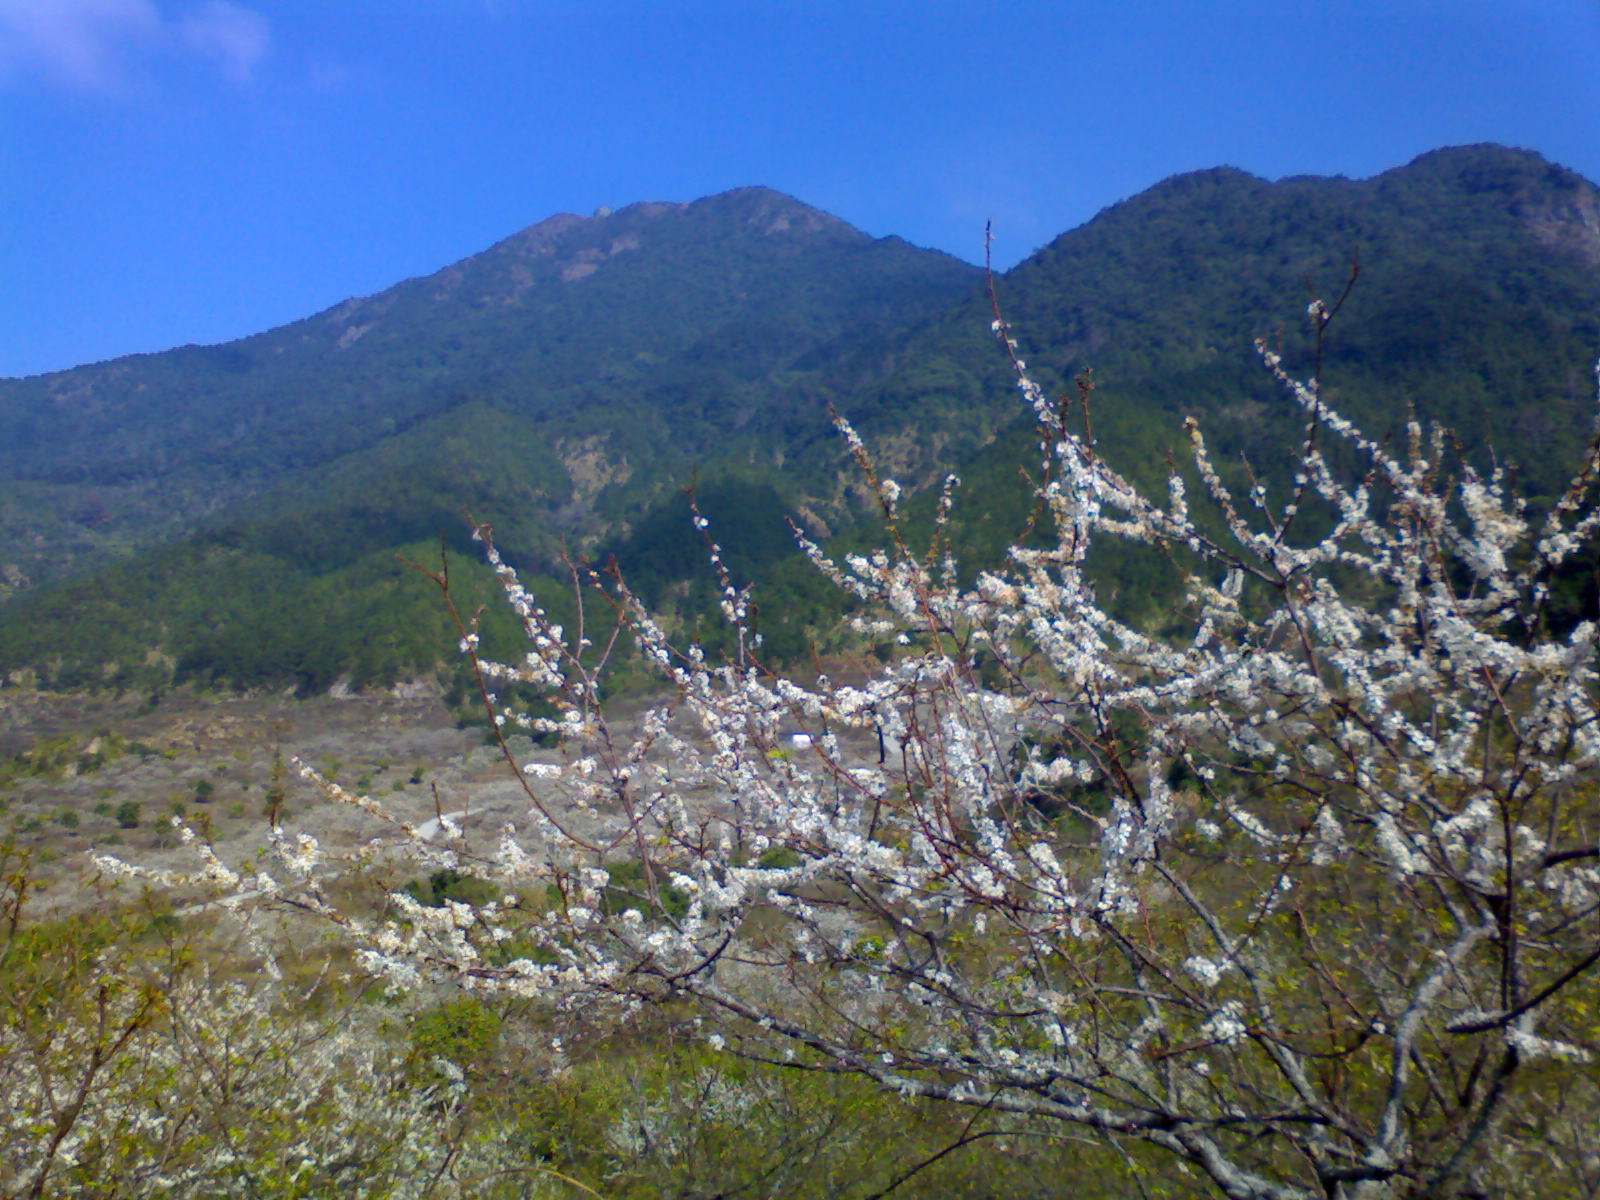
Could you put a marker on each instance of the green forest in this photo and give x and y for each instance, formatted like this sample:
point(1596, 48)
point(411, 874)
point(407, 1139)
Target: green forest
point(263, 545)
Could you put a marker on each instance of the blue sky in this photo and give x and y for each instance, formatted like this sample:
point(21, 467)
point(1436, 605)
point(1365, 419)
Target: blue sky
point(180, 171)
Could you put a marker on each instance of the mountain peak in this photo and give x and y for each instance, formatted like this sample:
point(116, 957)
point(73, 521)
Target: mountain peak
point(1559, 207)
point(545, 232)
point(671, 312)
point(774, 212)
point(1477, 156)
point(608, 229)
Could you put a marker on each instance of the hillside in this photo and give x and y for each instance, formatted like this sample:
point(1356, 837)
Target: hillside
point(567, 381)
point(618, 342)
point(1478, 305)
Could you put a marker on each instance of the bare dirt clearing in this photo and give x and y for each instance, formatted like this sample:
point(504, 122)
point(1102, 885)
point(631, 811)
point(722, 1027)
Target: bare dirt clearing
point(84, 772)
point(93, 772)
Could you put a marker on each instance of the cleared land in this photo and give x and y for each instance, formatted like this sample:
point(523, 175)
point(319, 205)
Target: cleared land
point(71, 764)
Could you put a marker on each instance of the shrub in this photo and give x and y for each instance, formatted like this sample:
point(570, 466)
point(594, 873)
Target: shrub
point(464, 1032)
point(451, 885)
point(143, 1054)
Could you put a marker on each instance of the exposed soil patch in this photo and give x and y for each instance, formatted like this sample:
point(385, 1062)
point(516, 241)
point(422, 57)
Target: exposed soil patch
point(93, 772)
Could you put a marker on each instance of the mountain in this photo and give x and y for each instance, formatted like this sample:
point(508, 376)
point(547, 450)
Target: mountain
point(1477, 305)
point(615, 344)
point(566, 382)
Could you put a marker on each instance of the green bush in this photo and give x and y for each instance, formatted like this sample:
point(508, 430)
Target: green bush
point(628, 889)
point(464, 1032)
point(450, 884)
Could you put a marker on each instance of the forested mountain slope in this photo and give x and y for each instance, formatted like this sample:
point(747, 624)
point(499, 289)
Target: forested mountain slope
point(566, 382)
point(1477, 305)
point(657, 332)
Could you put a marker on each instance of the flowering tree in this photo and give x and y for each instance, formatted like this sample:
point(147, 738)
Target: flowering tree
point(1307, 898)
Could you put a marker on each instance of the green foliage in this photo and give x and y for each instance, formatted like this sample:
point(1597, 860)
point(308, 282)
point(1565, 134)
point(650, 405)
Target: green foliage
point(778, 858)
point(67, 753)
point(643, 1116)
point(749, 523)
point(450, 884)
point(277, 788)
point(238, 618)
point(127, 814)
point(631, 888)
point(574, 410)
point(463, 1031)
point(145, 1055)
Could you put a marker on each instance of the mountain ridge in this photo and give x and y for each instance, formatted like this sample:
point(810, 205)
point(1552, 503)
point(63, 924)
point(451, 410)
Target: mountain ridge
point(712, 348)
point(539, 232)
point(671, 307)
point(564, 221)
point(1185, 275)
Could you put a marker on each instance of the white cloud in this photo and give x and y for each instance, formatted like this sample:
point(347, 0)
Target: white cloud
point(95, 45)
point(233, 37)
point(79, 43)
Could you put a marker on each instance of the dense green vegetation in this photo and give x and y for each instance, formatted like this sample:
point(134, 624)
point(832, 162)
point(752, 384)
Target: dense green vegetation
point(665, 332)
point(570, 406)
point(244, 617)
